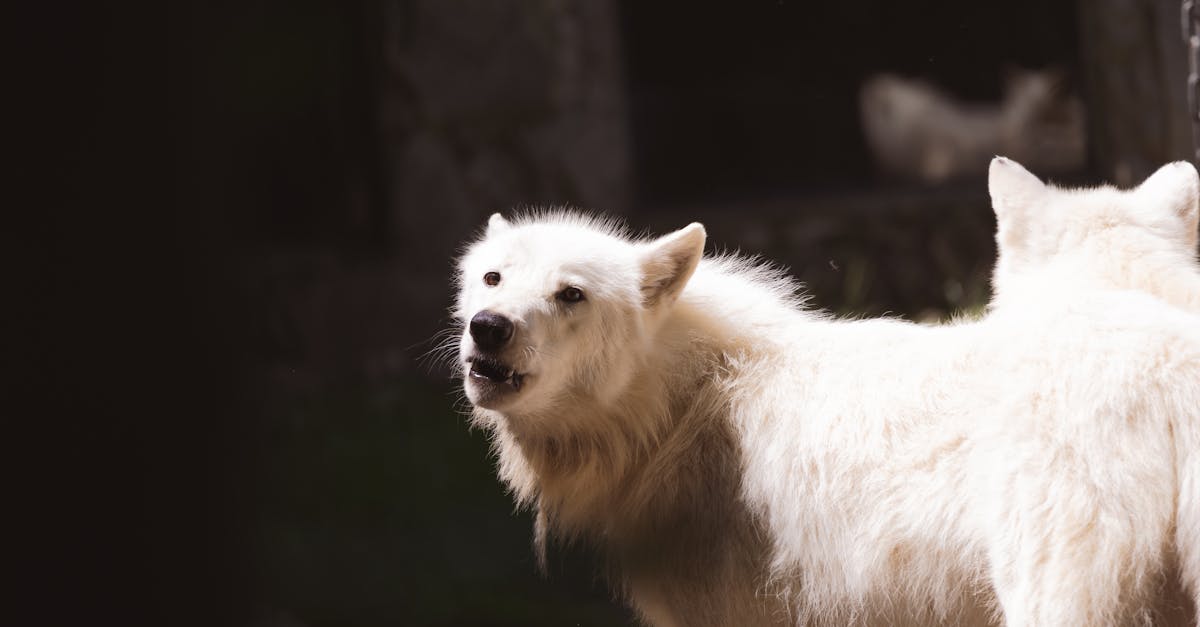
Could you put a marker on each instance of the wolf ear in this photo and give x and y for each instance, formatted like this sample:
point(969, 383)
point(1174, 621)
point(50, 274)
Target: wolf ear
point(1012, 188)
point(497, 224)
point(668, 262)
point(1176, 186)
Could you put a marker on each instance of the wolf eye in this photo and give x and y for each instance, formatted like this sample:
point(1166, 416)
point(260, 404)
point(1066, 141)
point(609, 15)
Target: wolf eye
point(491, 278)
point(570, 295)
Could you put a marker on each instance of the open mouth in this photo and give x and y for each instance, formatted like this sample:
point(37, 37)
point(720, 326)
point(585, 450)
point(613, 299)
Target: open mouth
point(494, 371)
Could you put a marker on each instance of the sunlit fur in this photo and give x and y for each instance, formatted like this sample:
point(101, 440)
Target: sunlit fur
point(1143, 238)
point(738, 460)
point(1060, 245)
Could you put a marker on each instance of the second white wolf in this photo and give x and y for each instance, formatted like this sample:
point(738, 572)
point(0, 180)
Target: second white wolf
point(1056, 244)
point(1050, 240)
point(741, 461)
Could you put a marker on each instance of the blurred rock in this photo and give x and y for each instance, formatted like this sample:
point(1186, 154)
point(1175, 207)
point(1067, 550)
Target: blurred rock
point(489, 105)
point(482, 106)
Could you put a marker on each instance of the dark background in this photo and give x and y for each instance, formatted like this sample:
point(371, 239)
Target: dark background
point(235, 229)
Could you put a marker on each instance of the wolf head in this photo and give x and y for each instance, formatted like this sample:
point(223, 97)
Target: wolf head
point(1105, 232)
point(558, 309)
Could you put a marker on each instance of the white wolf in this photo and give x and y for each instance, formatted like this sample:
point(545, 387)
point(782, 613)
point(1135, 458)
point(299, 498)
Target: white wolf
point(1055, 243)
point(740, 461)
point(1143, 239)
point(918, 131)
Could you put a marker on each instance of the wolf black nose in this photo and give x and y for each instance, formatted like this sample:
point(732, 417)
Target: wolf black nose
point(490, 330)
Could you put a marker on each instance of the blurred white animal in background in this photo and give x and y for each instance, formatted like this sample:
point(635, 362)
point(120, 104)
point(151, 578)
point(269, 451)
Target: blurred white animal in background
point(918, 131)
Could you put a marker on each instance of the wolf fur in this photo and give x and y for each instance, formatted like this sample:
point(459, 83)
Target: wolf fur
point(739, 460)
point(1052, 238)
point(1055, 244)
